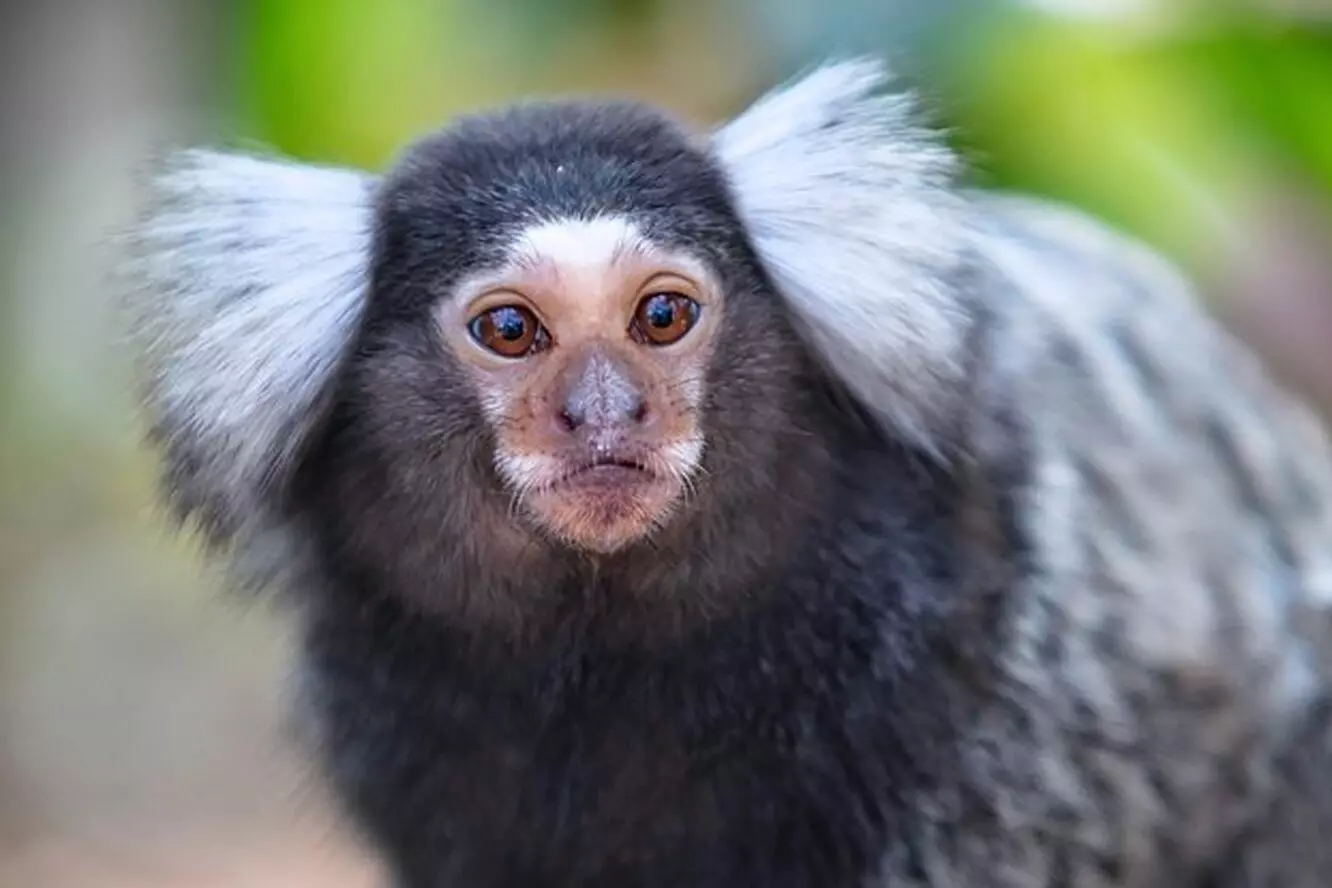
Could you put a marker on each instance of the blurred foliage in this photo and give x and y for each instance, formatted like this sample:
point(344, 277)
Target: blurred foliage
point(1167, 130)
point(351, 81)
point(341, 79)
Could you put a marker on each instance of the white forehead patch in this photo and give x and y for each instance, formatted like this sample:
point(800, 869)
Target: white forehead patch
point(579, 243)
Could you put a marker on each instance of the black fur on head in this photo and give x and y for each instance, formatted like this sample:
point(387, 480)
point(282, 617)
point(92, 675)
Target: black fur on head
point(402, 489)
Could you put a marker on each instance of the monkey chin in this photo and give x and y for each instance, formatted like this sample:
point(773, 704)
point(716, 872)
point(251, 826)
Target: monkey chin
point(605, 508)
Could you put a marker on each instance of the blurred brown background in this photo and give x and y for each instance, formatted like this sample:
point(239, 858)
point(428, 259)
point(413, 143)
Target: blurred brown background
point(142, 736)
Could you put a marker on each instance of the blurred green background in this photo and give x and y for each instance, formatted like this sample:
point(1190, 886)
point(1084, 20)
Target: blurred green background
point(142, 741)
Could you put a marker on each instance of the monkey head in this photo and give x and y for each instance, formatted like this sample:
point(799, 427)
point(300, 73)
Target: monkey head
point(563, 330)
point(570, 275)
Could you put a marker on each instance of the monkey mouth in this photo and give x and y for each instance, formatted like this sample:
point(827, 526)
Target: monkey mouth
point(603, 502)
point(608, 471)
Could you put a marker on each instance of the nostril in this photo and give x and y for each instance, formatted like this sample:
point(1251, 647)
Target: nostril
point(567, 420)
point(640, 412)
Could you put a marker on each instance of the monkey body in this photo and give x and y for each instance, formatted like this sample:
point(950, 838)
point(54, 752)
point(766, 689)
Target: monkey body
point(913, 537)
point(937, 688)
point(755, 752)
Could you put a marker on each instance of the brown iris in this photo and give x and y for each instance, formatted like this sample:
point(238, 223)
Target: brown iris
point(510, 331)
point(663, 318)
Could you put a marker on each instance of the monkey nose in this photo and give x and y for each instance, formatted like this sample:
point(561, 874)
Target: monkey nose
point(602, 398)
point(602, 414)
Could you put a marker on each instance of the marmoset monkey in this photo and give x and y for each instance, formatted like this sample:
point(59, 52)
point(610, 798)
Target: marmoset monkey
point(759, 507)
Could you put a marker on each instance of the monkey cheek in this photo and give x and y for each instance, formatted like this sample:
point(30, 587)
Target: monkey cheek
point(605, 516)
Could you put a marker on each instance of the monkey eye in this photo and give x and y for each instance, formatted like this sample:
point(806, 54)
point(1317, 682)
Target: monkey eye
point(510, 331)
point(663, 318)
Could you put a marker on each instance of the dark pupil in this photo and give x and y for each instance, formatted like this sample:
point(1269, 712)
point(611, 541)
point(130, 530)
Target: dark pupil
point(661, 312)
point(509, 324)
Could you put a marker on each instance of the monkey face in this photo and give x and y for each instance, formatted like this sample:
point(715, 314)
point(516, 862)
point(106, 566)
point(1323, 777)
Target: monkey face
point(567, 350)
point(588, 349)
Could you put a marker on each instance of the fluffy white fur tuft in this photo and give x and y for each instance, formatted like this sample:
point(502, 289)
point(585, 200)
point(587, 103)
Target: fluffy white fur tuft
point(245, 284)
point(851, 208)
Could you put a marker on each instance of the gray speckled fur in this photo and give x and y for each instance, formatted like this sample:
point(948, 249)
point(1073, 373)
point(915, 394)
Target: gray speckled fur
point(1161, 686)
point(1172, 646)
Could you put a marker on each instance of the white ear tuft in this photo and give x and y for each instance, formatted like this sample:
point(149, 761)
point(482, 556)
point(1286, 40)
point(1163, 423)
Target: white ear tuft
point(851, 208)
point(245, 285)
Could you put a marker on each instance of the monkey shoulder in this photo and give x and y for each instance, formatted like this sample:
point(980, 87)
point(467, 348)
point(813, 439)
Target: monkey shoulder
point(1172, 629)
